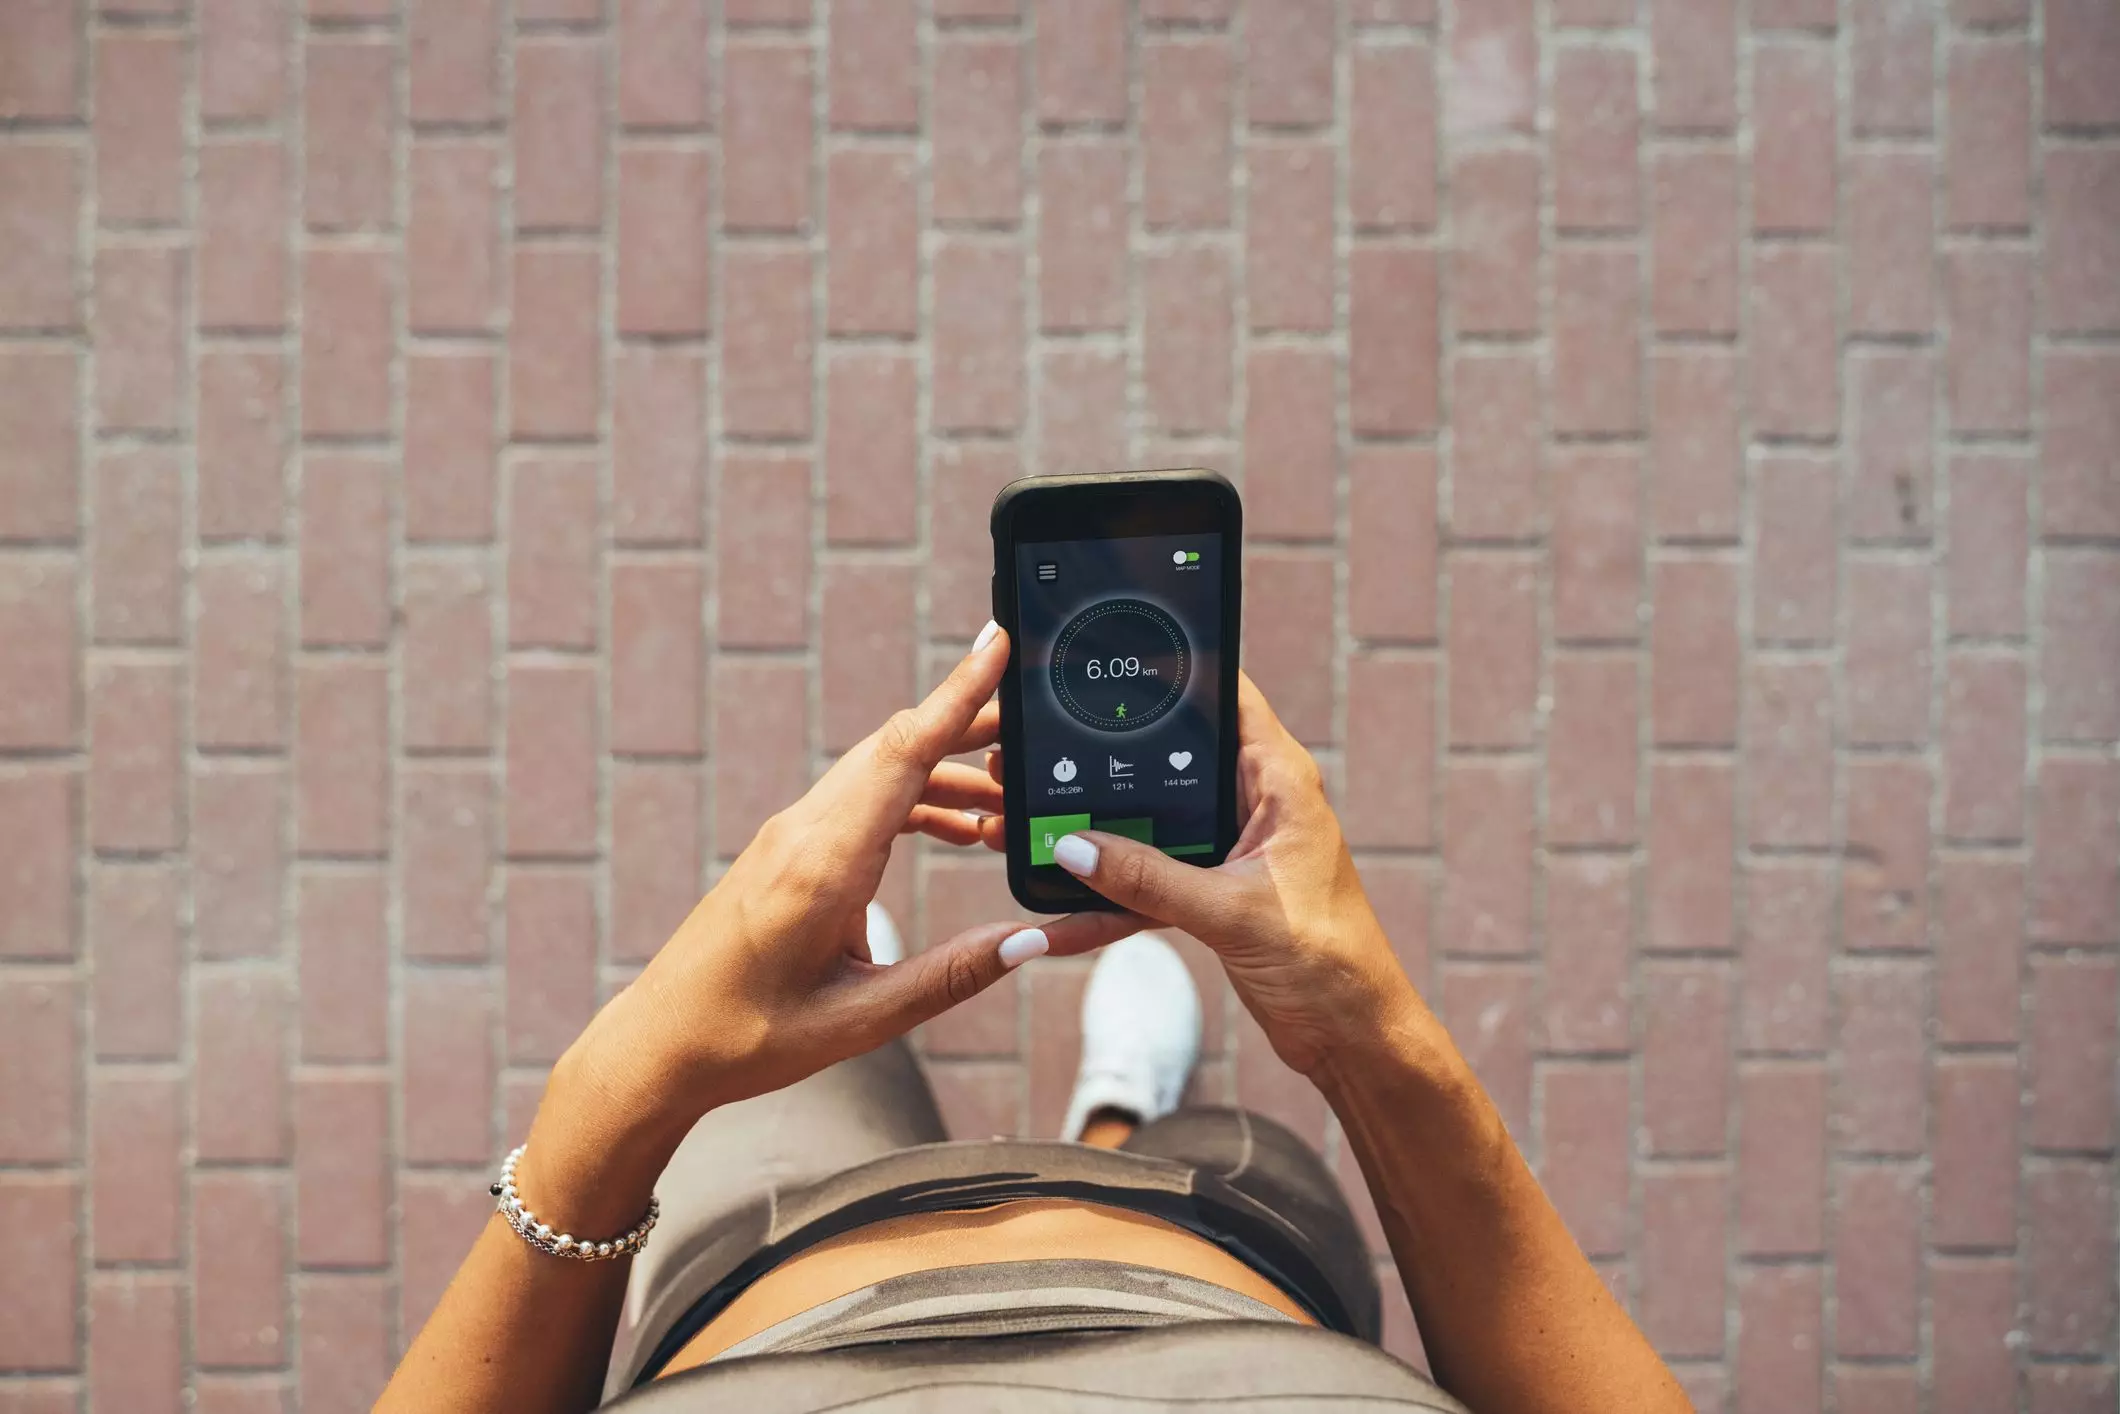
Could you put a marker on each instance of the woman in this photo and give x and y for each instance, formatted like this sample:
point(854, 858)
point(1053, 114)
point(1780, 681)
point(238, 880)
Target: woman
point(815, 1254)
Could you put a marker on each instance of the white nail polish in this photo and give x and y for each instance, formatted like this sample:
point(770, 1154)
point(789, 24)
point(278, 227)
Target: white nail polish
point(1075, 854)
point(1018, 948)
point(986, 635)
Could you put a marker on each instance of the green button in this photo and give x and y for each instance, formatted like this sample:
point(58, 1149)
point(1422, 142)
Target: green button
point(1142, 828)
point(1046, 831)
point(1188, 849)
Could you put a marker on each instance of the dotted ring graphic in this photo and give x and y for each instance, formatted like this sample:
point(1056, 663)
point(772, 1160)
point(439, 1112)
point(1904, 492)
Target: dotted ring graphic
point(1103, 708)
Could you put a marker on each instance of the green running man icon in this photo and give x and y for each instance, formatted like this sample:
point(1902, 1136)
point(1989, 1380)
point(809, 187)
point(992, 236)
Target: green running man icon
point(1122, 710)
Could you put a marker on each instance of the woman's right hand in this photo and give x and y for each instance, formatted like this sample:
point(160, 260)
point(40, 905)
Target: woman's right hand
point(1286, 912)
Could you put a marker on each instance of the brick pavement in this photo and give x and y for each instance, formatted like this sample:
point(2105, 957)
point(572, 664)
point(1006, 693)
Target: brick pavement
point(464, 465)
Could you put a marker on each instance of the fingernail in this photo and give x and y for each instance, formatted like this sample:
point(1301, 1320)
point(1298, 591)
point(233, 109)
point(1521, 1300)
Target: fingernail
point(1075, 854)
point(986, 635)
point(1021, 947)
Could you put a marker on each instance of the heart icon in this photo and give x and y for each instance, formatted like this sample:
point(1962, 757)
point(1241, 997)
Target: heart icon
point(1179, 760)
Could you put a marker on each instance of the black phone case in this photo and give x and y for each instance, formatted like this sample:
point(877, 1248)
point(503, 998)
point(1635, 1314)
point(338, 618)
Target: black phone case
point(1054, 890)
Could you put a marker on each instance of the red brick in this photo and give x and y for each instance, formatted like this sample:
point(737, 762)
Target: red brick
point(135, 579)
point(139, 338)
point(1877, 1262)
point(1685, 1080)
point(1793, 176)
point(1983, 748)
point(658, 451)
point(1892, 80)
point(552, 750)
point(655, 853)
point(1693, 652)
point(1493, 633)
point(40, 1291)
point(43, 1055)
point(239, 1291)
point(2075, 841)
point(1290, 267)
point(239, 676)
point(1884, 879)
point(971, 10)
point(761, 740)
point(241, 446)
point(1887, 676)
point(1973, 1319)
point(342, 1185)
point(866, 648)
point(447, 637)
point(452, 238)
point(1891, 265)
point(341, 756)
point(1691, 837)
point(1694, 66)
point(1893, 403)
point(1987, 155)
point(1979, 939)
point(1789, 754)
point(553, 559)
point(2070, 1389)
point(1487, 1007)
point(2069, 1068)
point(440, 1217)
point(1288, 63)
point(41, 187)
point(767, 321)
point(38, 814)
point(1495, 205)
point(1491, 75)
point(450, 446)
point(874, 83)
point(345, 551)
point(1973, 1185)
point(2077, 485)
point(39, 640)
point(1597, 185)
point(346, 1351)
point(1795, 561)
point(239, 1073)
point(762, 551)
point(1591, 752)
point(1392, 347)
point(2082, 242)
point(446, 816)
point(454, 47)
point(238, 857)
point(44, 86)
point(1694, 231)
point(1681, 1258)
point(1795, 348)
point(1288, 641)
point(448, 1087)
point(40, 464)
point(1189, 311)
point(1590, 903)
point(555, 358)
point(1596, 544)
point(342, 926)
point(1082, 236)
point(781, 13)
point(1391, 544)
point(136, 1195)
point(1488, 829)
point(551, 961)
point(1585, 1158)
point(1290, 444)
point(2082, 46)
point(134, 939)
point(2069, 1257)
point(978, 333)
point(1597, 378)
point(1391, 176)
point(1877, 1389)
point(1081, 397)
point(135, 1343)
point(1780, 1333)
point(138, 129)
point(962, 892)
point(2081, 622)
point(961, 560)
point(766, 138)
point(558, 129)
point(977, 107)
point(656, 635)
point(1879, 1105)
point(347, 343)
point(1389, 804)
point(1695, 456)
point(662, 64)
point(135, 795)
point(872, 256)
point(1082, 61)
point(1781, 1159)
point(1989, 538)
point(1497, 453)
point(349, 113)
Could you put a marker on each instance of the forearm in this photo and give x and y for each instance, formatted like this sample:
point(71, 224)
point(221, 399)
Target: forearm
point(1513, 1318)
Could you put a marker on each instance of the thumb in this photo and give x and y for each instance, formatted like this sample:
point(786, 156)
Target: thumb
point(1143, 879)
point(891, 1001)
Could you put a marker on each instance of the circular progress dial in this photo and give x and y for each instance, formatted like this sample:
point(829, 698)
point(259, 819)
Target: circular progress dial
point(1120, 665)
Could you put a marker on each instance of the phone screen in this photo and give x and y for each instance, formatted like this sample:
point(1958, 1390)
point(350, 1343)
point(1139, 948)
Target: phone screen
point(1121, 659)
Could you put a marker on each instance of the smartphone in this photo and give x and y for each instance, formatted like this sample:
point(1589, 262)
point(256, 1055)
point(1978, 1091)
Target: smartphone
point(1119, 711)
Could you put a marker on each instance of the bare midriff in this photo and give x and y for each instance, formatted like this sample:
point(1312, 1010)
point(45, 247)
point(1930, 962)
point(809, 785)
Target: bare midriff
point(1035, 1229)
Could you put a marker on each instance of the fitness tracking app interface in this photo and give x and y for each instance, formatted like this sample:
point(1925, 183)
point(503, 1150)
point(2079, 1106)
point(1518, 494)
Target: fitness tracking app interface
point(1122, 667)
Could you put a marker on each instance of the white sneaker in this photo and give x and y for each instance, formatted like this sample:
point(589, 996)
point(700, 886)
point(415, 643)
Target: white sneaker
point(885, 946)
point(1140, 1033)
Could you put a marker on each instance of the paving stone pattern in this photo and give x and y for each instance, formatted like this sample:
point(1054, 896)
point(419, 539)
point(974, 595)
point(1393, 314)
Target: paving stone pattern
point(465, 464)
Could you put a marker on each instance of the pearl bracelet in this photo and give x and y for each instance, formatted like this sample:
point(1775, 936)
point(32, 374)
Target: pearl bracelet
point(561, 1244)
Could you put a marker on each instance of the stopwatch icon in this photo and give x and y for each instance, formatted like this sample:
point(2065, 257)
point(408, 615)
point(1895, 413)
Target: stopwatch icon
point(1063, 770)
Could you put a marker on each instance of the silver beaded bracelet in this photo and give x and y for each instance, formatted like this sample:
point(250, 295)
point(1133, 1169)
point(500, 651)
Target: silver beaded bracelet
point(562, 1244)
